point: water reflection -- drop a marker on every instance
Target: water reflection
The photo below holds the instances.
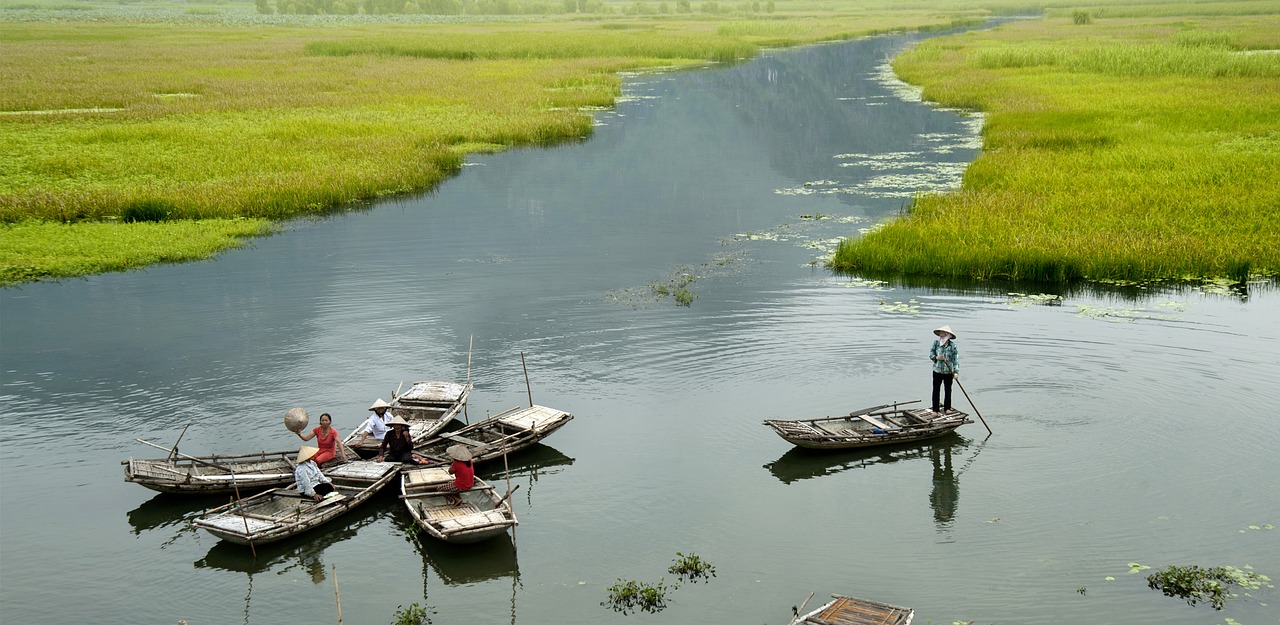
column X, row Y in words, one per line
column 165, row 510
column 802, row 464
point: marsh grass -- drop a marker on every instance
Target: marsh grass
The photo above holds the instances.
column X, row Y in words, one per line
column 1137, row 149
column 41, row 250
column 216, row 112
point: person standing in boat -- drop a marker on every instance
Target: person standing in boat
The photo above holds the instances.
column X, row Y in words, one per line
column 463, row 471
column 946, row 365
column 327, row 438
column 397, row 446
column 311, row 482
column 376, row 424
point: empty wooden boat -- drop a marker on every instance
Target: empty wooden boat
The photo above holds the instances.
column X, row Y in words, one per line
column 842, row 610
column 283, row 512
column 878, row 425
column 211, row 475
column 482, row 513
column 428, row 407
column 504, row 433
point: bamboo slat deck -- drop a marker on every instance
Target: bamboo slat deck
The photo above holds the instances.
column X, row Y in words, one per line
column 480, row 513
column 844, row 610
column 504, row 433
column 428, row 407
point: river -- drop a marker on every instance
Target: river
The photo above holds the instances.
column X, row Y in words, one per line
column 1130, row 426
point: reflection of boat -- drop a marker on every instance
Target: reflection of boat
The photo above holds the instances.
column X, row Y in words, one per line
column 427, row 406
column 164, row 510
column 462, row 565
column 878, row 425
column 842, row 610
column 799, row 463
column 503, row 433
column 481, row 513
column 212, row 474
column 533, row 461
column 305, row 552
column 283, row 512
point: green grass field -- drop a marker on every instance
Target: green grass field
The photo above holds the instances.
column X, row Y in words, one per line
column 116, row 115
column 1128, row 148
column 136, row 133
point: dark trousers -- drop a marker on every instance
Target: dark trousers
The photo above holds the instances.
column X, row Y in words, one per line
column 942, row 379
column 324, row 488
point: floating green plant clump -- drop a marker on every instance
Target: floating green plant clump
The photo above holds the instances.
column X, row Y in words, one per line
column 1205, row 585
column 412, row 615
column 628, row 596
column 691, row 568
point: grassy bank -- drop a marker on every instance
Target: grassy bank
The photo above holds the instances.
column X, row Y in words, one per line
column 1120, row 144
column 194, row 118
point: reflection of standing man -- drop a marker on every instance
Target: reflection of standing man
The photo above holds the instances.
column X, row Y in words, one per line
column 946, row 364
column 946, row 487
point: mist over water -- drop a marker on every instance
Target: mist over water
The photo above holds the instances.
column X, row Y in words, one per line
column 1129, row 426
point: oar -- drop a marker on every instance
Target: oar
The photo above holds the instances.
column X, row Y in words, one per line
column 504, row 497
column 966, row 396
column 182, row 455
column 175, row 443
column 795, row 612
column 526, row 379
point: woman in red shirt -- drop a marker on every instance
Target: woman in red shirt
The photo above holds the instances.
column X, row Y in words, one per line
column 327, row 439
column 464, row 473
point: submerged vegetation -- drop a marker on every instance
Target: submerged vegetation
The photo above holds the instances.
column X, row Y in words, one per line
column 1118, row 147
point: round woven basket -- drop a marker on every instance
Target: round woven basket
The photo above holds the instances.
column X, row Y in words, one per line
column 295, row 419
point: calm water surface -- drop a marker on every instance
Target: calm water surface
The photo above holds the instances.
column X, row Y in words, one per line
column 1129, row 427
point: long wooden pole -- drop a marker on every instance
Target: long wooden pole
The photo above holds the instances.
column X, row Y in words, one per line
column 795, row 612
column 240, row 506
column 470, row 343
column 526, row 379
column 336, row 596
column 182, row 455
column 966, row 396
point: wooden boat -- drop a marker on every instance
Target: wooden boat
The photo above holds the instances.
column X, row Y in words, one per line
column 878, row 425
column 210, row 475
column 842, row 610
column 482, row 514
column 283, row 512
column 427, row 406
column 503, row 433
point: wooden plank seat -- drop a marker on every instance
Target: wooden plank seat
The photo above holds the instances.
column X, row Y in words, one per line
column 874, row 422
column 462, row 439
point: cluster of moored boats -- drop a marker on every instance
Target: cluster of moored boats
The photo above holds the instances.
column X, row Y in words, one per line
column 278, row 510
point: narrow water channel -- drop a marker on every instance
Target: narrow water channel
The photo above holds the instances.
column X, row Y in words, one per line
column 1129, row 426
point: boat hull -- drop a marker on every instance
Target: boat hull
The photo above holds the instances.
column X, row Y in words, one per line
column 212, row 475
column 482, row 514
column 889, row 424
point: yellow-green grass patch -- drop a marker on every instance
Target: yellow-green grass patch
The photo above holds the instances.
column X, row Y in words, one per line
column 1121, row 150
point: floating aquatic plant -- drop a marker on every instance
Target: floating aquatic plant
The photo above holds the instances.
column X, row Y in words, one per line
column 1205, row 585
column 628, row 596
column 691, row 568
column 910, row 307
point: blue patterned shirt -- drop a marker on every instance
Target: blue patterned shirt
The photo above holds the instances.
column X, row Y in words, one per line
column 945, row 359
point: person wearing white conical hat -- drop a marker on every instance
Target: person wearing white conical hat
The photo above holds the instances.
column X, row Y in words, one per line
column 397, row 446
column 376, row 424
column 311, row 482
column 946, row 365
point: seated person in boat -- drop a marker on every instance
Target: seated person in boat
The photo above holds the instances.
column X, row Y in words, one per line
column 397, row 446
column 464, row 473
column 376, row 424
column 311, row 482
column 327, row 438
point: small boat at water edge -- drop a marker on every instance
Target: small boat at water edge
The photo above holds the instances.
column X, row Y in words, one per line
column 212, row 475
column 428, row 407
column 842, row 610
column 878, row 425
column 481, row 515
column 283, row 512
column 503, row 433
